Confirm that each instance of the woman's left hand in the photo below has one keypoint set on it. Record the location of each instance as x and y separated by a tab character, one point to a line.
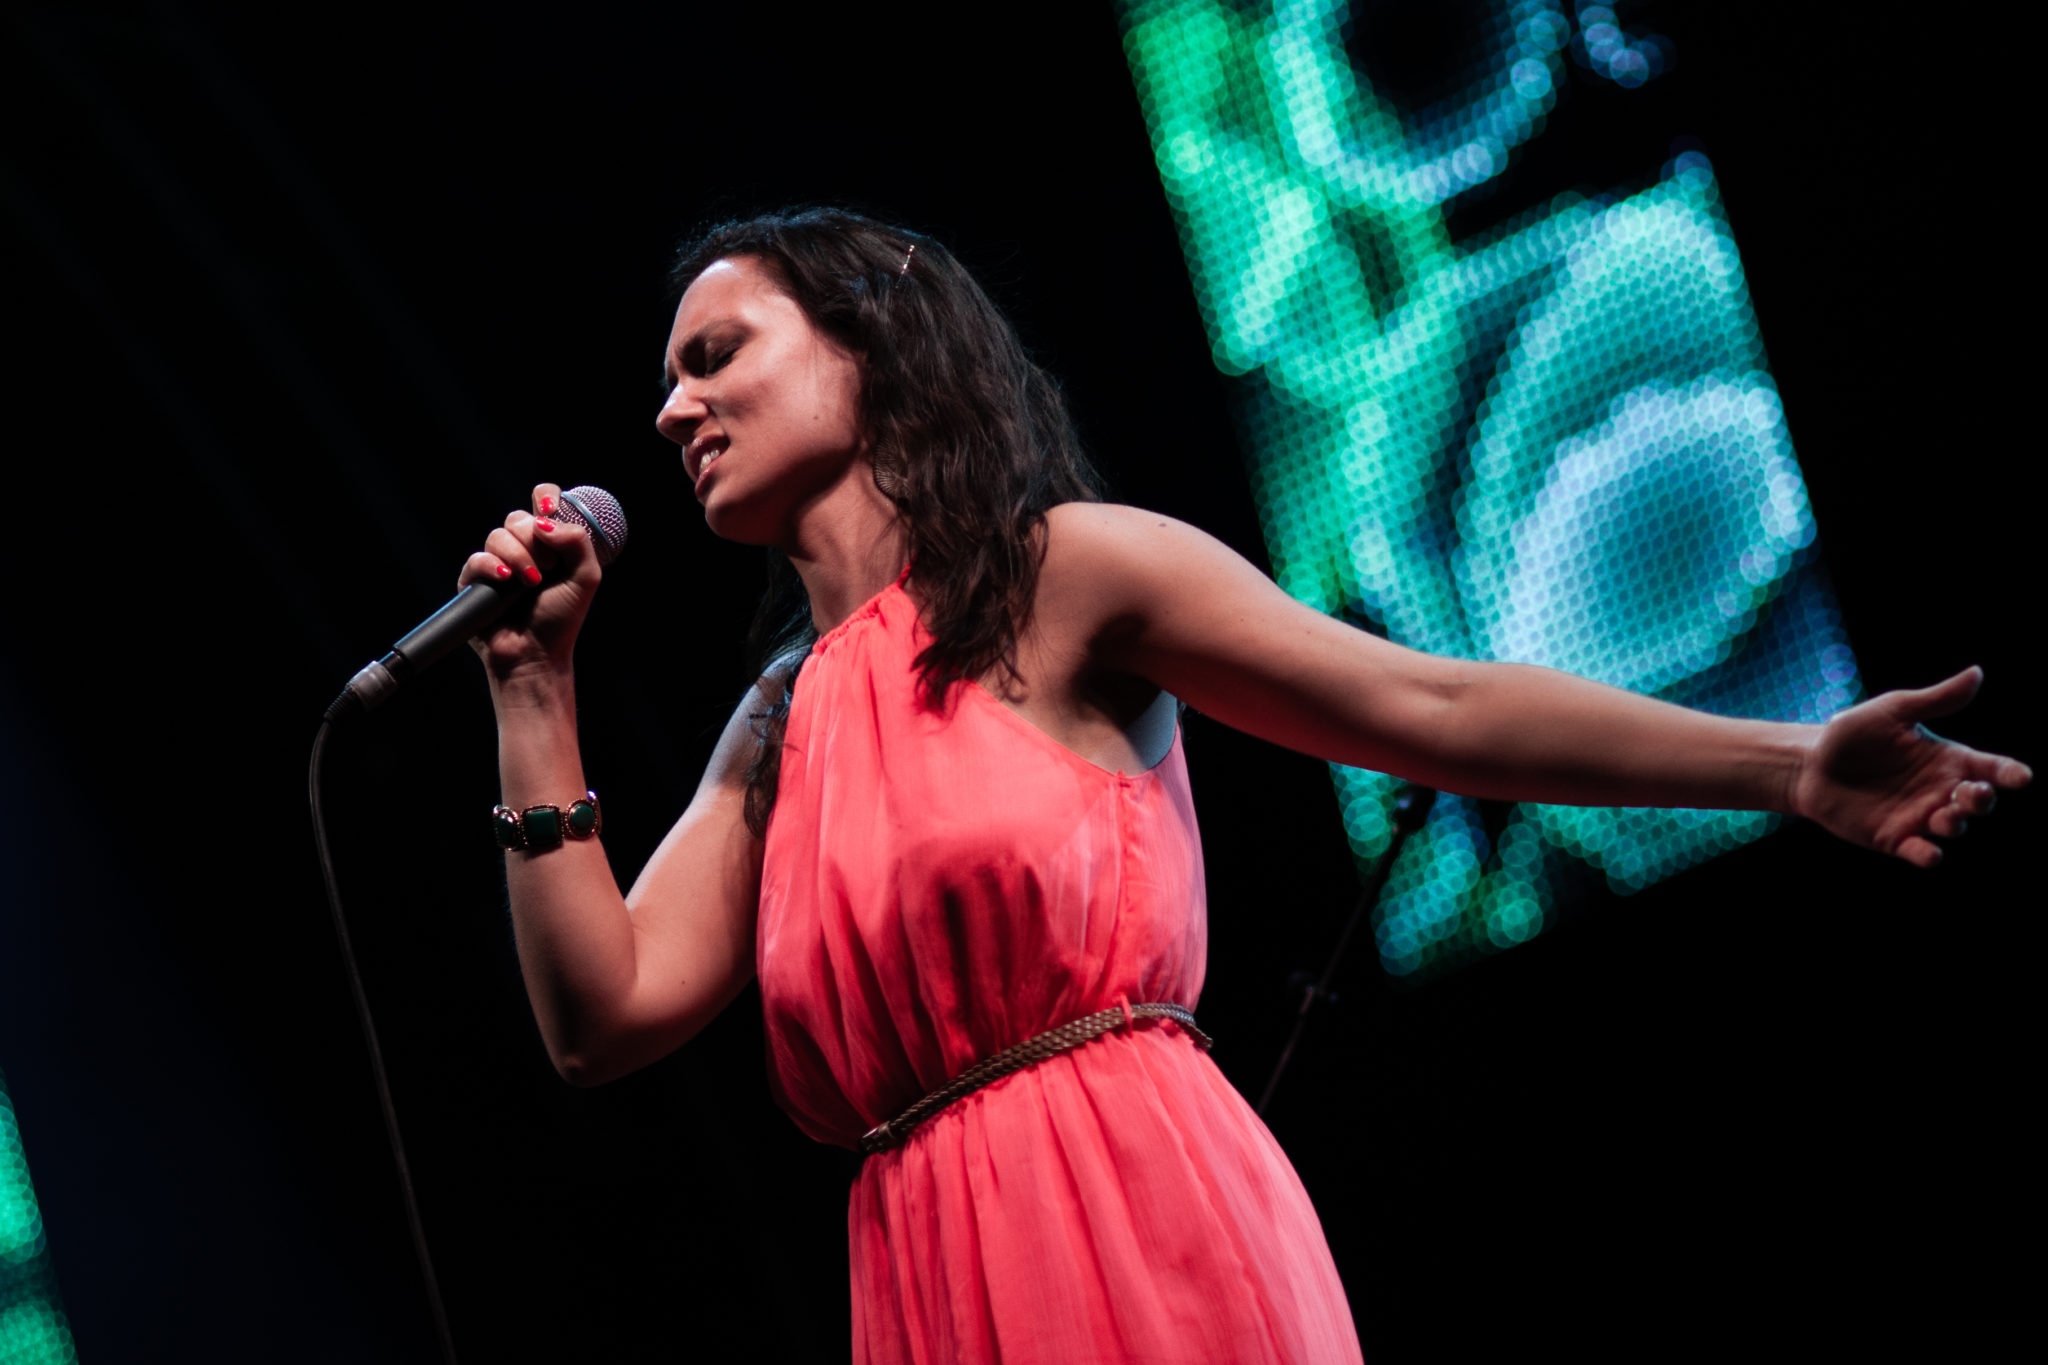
1879	778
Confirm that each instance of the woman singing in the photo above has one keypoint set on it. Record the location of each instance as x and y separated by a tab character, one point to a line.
953	816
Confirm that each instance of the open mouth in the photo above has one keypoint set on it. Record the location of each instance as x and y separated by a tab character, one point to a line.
709	456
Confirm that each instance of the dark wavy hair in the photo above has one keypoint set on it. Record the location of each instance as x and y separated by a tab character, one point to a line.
971	440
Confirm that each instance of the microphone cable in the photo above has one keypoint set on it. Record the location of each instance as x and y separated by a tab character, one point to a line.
362	1002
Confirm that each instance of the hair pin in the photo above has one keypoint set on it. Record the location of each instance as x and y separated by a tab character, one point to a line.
905	269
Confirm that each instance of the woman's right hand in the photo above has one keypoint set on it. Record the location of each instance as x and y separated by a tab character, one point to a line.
539	634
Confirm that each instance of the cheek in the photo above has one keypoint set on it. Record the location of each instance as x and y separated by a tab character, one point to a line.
840	401
835	414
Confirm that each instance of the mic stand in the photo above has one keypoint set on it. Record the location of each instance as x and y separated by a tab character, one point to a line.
1411	808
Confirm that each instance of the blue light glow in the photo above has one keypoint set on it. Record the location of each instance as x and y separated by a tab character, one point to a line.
1559	443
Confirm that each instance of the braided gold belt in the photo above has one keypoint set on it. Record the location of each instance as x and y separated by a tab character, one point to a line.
1050	1043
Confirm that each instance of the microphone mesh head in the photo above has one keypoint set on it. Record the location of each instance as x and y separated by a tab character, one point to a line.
599	513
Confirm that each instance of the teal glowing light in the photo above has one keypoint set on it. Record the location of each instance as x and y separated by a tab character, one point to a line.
1557	443
32	1326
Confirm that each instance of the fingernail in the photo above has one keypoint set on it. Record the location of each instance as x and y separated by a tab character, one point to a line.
547	507
532	574
543	523
504	571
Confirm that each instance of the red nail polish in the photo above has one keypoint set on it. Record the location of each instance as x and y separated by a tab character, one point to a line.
547	507
543	523
532	574
504	571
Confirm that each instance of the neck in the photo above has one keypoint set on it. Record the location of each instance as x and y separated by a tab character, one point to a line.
848	545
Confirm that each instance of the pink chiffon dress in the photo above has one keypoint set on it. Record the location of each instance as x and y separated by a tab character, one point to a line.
939	885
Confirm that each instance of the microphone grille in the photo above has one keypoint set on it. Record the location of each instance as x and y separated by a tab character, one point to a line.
599	513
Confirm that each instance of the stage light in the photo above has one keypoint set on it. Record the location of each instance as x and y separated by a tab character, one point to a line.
1555	443
33	1330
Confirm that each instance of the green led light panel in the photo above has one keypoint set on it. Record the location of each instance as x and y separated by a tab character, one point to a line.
32	1326
1556	444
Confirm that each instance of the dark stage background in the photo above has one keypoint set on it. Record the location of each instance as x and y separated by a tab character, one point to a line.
298	314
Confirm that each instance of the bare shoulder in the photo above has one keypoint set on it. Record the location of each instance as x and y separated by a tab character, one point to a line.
1086	581
1095	533
1105	547
1150	596
1112	569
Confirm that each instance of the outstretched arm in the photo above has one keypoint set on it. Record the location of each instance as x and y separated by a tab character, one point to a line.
1170	604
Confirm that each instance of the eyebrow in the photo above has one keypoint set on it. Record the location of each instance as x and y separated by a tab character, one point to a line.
696	338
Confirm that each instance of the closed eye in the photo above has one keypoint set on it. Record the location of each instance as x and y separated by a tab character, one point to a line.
702	357
698	358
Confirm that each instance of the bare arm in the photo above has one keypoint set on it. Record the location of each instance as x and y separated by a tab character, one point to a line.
618	981
1170	604
615	981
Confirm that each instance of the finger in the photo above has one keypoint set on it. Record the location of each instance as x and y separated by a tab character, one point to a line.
1920	852
547	499
2009	773
1947	823
515	550
539	535
1995	770
1974	798
483	567
1945	698
573	555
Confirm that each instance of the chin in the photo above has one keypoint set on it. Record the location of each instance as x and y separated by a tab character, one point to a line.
734	524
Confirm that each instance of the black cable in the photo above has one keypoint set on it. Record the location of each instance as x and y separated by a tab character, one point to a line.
1411	808
355	981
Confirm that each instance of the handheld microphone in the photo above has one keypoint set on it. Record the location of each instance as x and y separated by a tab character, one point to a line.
473	610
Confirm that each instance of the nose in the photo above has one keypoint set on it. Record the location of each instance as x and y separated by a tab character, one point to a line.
680	413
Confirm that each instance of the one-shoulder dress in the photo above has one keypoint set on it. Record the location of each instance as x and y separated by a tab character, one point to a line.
939	885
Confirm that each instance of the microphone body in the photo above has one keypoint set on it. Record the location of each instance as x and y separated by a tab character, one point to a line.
470	612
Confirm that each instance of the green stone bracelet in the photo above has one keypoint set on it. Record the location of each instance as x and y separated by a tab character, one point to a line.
540	828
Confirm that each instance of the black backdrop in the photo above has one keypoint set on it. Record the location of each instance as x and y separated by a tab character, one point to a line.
297	312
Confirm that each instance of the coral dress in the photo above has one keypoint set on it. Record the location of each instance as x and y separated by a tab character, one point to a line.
939	886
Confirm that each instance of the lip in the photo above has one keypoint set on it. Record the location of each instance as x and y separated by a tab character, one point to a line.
697	458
